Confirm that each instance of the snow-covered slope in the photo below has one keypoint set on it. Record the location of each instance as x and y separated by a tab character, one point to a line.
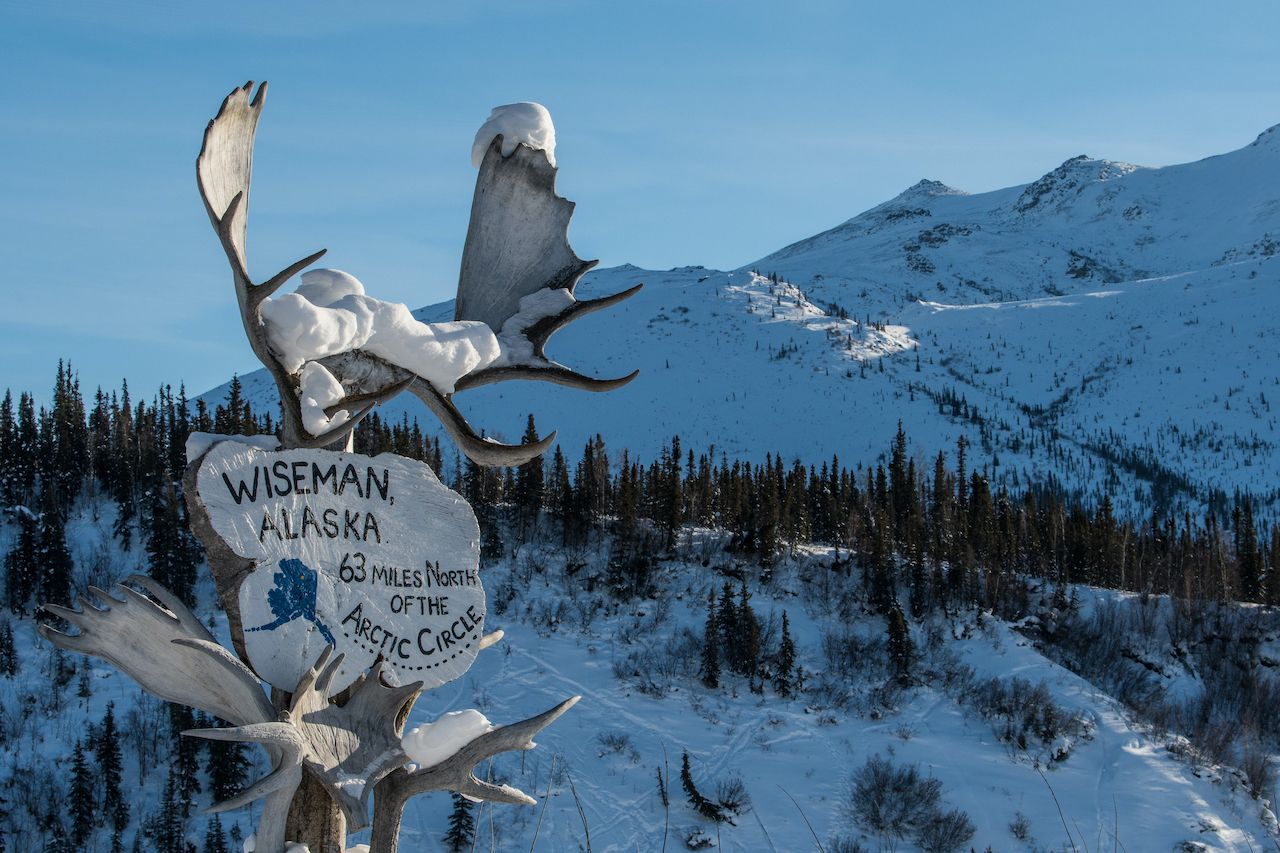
1109	326
1116	784
1101	779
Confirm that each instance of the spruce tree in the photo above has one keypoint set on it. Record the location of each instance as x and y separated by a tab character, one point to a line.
462	826
81	798
1272	580
529	484
784	678
229	419
226	766
748	633
186	758
9	663
124	447
1248	558
10	493
170	829
671	515
20	564
26	450
52	557
703	806
68	462
727	620
901	650
214	839
711	645
172	553
110	771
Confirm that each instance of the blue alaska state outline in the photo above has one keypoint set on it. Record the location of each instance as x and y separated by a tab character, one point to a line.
293	596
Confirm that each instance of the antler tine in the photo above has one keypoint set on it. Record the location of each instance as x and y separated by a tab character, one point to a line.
171	603
285	778
282	735
541	368
336	434
478	789
456	773
549	372
286	749
517	736
311	676
71	642
477	449
542	330
324	680
373	398
72	616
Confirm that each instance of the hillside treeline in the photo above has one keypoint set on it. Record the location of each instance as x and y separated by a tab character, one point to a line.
937	531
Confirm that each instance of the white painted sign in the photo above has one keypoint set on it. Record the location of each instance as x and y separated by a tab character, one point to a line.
372	555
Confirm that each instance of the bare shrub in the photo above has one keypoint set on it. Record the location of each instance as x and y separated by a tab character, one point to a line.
1257	767
655	666
892	800
944	832
1024	714
849	656
732	795
617	743
845	844
1020	827
613	742
696	838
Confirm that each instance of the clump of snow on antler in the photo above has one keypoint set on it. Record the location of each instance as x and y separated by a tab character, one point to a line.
325	287
319	389
525	122
431	743
199	442
330	314
547	302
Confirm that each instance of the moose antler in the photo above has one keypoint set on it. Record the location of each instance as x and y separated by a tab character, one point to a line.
350	748
223	171
518	278
171	655
519	272
167	651
456	773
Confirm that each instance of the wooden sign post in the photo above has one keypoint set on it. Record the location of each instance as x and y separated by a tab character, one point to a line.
351	583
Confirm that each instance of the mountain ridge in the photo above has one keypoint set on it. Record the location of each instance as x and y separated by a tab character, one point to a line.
1105	327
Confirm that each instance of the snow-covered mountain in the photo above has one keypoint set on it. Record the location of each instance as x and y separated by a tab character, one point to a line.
1108	326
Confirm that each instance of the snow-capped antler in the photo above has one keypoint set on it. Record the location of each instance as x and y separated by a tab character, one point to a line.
456	773
519	271
518	277
223	171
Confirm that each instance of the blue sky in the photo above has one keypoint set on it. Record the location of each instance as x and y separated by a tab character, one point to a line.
689	133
